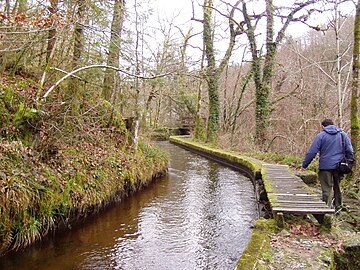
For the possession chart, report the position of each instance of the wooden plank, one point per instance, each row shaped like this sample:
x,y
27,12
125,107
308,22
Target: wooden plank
x,y
287,180
290,188
291,192
298,197
280,209
300,202
304,210
287,186
310,194
295,205
282,182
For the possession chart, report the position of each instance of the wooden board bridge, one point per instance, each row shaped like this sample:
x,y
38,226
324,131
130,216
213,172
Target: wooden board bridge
x,y
287,193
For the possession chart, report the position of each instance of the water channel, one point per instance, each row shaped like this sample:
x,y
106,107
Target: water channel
x,y
198,216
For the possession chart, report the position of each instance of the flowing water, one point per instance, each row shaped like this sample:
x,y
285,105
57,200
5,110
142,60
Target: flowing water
x,y
198,216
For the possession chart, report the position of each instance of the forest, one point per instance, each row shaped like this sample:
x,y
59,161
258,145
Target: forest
x,y
81,79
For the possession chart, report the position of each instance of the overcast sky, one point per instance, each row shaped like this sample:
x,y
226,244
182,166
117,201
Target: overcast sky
x,y
180,13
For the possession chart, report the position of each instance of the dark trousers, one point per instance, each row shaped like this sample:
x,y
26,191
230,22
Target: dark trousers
x,y
330,187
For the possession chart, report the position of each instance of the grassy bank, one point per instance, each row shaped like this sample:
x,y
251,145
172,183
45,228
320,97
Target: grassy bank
x,y
37,195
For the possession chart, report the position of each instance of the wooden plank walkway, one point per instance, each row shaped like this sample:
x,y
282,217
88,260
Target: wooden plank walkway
x,y
287,193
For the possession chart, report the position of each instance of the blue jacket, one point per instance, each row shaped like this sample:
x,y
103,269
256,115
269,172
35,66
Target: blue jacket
x,y
328,143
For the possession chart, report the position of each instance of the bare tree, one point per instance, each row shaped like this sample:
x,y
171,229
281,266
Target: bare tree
x,y
263,70
212,71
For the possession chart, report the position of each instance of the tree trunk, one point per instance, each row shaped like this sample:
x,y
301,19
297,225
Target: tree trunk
x,y
114,49
73,94
212,77
22,5
52,31
212,73
199,131
263,106
354,117
50,50
338,63
261,96
137,82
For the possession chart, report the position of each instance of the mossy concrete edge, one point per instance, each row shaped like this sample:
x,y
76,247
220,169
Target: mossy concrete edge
x,y
259,244
252,165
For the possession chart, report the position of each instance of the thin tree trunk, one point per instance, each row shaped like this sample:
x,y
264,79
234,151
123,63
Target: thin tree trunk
x,y
7,8
52,32
137,83
263,94
50,50
338,63
199,131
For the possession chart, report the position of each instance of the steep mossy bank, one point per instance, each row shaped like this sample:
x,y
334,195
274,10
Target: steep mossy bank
x,y
58,165
37,195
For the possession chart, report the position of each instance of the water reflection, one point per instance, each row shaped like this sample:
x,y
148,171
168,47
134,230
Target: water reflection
x,y
196,217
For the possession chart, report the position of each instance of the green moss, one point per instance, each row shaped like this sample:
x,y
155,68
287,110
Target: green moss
x,y
25,120
118,122
19,120
259,244
309,177
349,256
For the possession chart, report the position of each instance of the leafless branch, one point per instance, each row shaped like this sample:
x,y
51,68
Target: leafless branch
x,y
100,66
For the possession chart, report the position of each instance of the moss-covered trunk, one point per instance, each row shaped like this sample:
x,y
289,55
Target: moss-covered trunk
x,y
354,118
214,108
263,105
73,94
114,48
211,73
261,92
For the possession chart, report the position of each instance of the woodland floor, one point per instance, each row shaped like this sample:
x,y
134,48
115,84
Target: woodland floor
x,y
305,244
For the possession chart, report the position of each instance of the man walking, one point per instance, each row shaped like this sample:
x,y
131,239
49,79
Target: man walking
x,y
329,143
